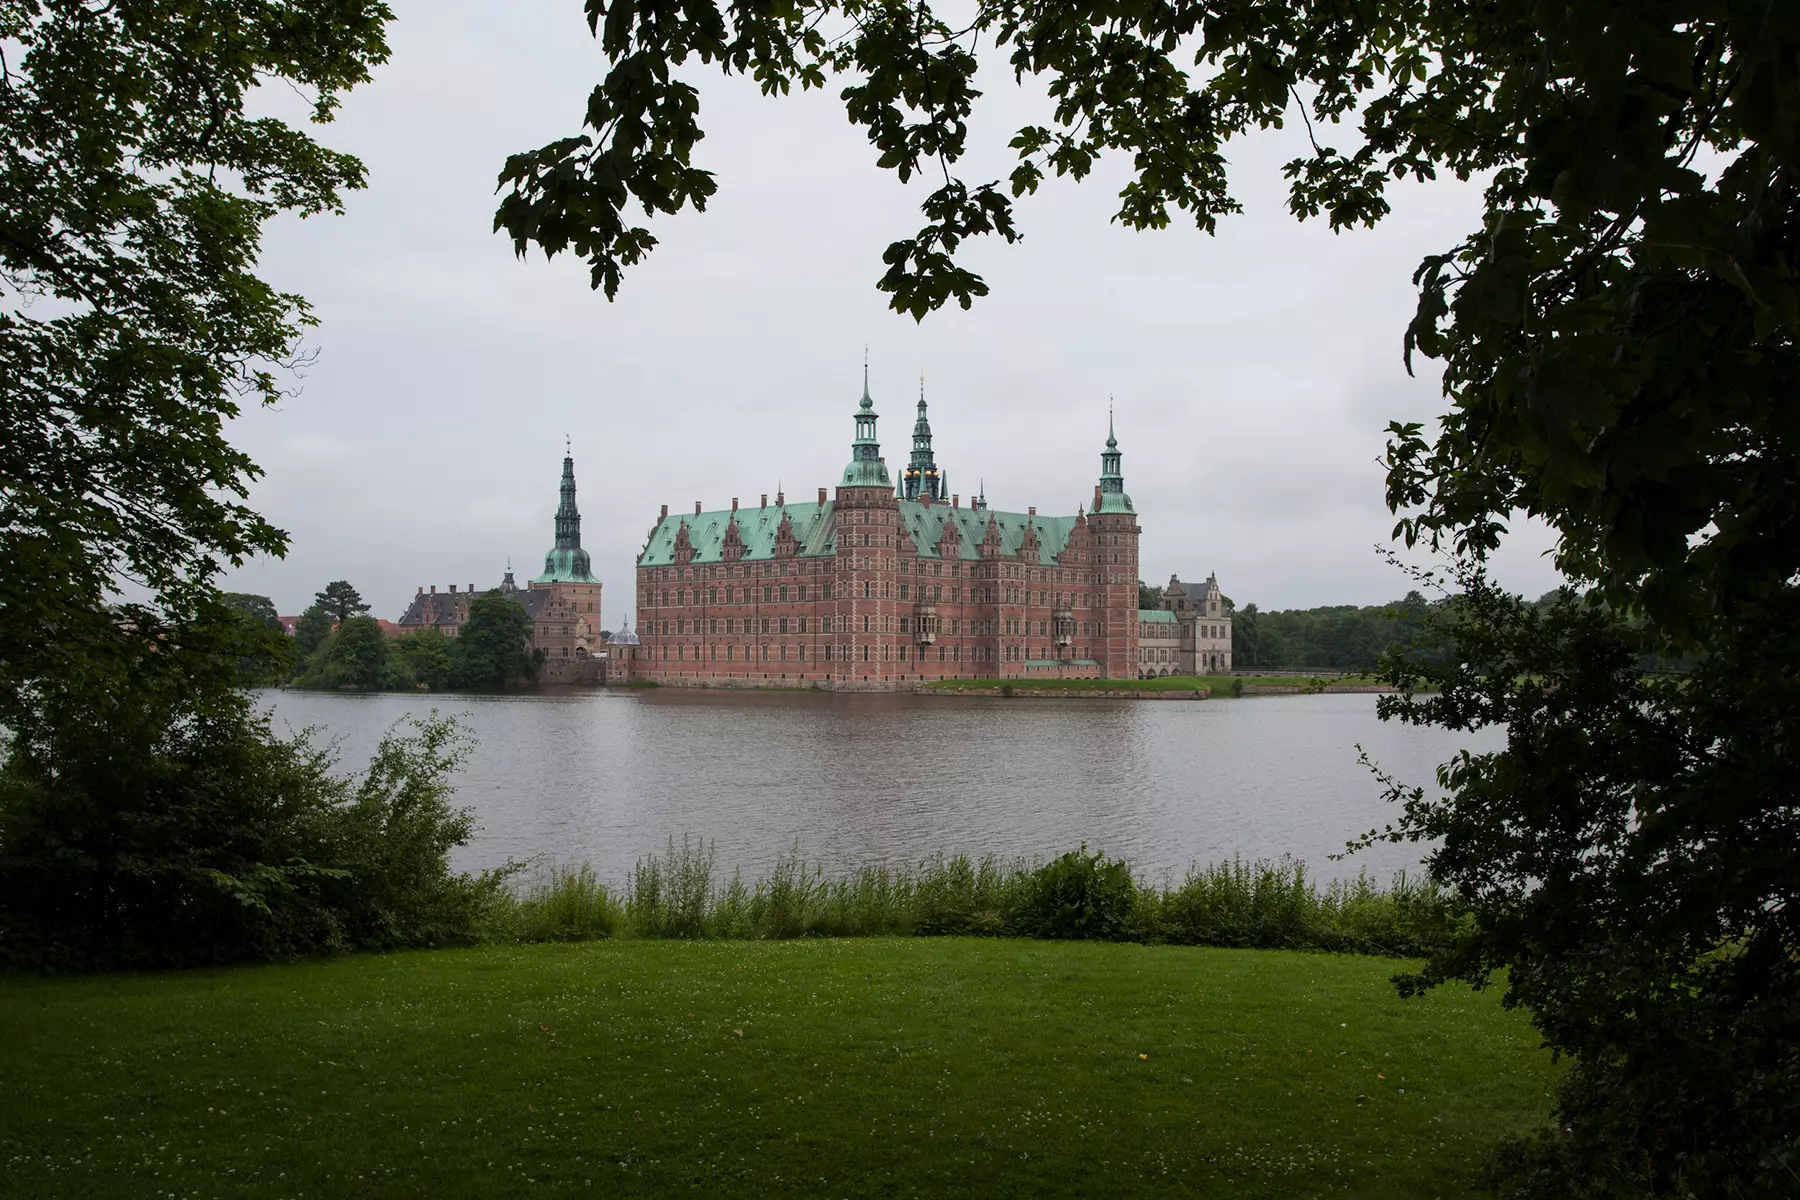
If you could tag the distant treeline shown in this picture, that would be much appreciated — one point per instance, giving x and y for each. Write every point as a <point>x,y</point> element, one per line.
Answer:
<point>1341,637</point>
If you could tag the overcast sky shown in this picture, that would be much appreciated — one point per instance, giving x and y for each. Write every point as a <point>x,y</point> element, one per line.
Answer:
<point>1253,372</point>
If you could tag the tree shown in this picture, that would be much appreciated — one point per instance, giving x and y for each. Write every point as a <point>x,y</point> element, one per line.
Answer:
<point>310,632</point>
<point>133,188</point>
<point>491,646</point>
<point>340,600</point>
<point>428,656</point>
<point>259,609</point>
<point>1149,597</point>
<point>1619,354</point>
<point>357,655</point>
<point>1246,638</point>
<point>272,653</point>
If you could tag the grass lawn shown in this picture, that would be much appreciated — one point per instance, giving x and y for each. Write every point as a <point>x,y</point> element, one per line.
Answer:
<point>851,1067</point>
<point>1220,685</point>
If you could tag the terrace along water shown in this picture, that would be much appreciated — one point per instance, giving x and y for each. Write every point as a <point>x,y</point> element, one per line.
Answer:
<point>606,777</point>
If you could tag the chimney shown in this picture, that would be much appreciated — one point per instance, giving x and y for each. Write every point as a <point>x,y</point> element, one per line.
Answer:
<point>821,495</point>
<point>1096,498</point>
<point>734,504</point>
<point>925,499</point>
<point>780,499</point>
<point>665,511</point>
<point>696,508</point>
<point>453,589</point>
<point>956,500</point>
<point>1031,511</point>
<point>434,589</point>
<point>471,589</point>
<point>421,590</point>
<point>765,500</point>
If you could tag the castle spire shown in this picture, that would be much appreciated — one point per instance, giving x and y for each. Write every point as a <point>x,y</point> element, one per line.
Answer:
<point>1110,496</point>
<point>866,468</point>
<point>922,478</point>
<point>567,562</point>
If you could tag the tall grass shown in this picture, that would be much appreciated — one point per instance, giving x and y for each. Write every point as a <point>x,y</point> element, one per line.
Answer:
<point>1271,905</point>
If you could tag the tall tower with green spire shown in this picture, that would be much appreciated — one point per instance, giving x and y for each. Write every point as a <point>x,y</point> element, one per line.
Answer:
<point>922,479</point>
<point>567,562</point>
<point>866,468</point>
<point>1110,496</point>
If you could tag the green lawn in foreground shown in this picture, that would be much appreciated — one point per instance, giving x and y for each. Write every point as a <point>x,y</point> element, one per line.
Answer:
<point>852,1067</point>
<point>1219,685</point>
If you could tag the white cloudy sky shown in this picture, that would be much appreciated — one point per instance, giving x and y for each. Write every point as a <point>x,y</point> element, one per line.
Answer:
<point>1253,371</point>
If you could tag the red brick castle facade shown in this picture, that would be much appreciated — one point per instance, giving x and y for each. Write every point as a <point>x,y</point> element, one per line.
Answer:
<point>884,587</point>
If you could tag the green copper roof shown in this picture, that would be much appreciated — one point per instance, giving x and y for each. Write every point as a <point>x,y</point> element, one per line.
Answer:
<point>1156,616</point>
<point>567,562</point>
<point>567,566</point>
<point>866,472</point>
<point>812,525</point>
<point>814,528</point>
<point>926,525</point>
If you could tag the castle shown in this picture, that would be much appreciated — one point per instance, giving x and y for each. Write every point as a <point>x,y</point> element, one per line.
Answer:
<point>885,586</point>
<point>563,602</point>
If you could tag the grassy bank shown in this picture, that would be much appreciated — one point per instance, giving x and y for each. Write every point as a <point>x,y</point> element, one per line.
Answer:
<point>1266,905</point>
<point>1218,685</point>
<point>952,1066</point>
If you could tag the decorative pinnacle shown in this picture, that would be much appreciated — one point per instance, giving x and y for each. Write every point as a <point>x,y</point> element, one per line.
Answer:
<point>1112,442</point>
<point>866,402</point>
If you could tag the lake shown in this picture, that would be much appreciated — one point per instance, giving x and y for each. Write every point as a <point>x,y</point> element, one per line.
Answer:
<point>606,777</point>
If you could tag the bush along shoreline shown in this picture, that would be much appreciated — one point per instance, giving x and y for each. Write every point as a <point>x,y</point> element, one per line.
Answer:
<point>1079,895</point>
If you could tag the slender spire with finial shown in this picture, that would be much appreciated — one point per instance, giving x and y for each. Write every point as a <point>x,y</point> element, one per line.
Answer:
<point>866,468</point>
<point>922,479</point>
<point>1112,497</point>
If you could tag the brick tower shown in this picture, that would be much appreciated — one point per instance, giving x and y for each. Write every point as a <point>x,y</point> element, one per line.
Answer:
<point>867,532</point>
<point>1115,527</point>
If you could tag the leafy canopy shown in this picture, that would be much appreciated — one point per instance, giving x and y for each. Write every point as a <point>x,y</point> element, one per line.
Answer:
<point>340,600</point>
<point>1617,337</point>
<point>1617,341</point>
<point>133,189</point>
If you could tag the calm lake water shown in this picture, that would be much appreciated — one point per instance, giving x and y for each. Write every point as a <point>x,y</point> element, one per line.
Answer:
<point>607,777</point>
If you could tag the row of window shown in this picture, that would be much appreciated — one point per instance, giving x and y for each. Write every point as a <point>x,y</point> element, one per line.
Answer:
<point>905,565</point>
<point>730,626</point>
<point>928,594</point>
<point>797,652</point>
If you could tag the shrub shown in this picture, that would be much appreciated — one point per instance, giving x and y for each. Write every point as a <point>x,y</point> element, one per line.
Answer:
<point>159,822</point>
<point>1079,895</point>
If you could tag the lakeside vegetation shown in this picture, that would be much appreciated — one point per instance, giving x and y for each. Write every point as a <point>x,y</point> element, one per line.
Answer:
<point>1078,895</point>
<point>966,1067</point>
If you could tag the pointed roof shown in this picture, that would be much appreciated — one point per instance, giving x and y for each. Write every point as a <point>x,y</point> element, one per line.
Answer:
<point>566,561</point>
